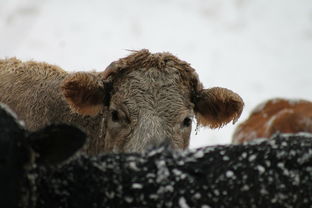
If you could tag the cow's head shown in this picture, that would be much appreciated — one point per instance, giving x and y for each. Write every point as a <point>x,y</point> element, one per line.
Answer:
<point>148,97</point>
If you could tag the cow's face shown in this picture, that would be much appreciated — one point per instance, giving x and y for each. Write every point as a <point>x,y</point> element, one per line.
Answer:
<point>147,107</point>
<point>149,99</point>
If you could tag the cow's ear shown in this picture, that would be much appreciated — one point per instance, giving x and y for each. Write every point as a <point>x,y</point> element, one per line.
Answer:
<point>217,106</point>
<point>85,93</point>
<point>56,143</point>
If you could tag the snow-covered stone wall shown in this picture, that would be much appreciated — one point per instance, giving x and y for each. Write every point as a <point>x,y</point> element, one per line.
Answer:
<point>269,173</point>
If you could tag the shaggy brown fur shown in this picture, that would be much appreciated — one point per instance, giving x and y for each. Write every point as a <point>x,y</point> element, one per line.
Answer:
<point>140,100</point>
<point>275,116</point>
<point>32,90</point>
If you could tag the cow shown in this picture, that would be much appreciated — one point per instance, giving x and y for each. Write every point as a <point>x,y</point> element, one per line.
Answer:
<point>273,172</point>
<point>136,102</point>
<point>19,149</point>
<point>273,116</point>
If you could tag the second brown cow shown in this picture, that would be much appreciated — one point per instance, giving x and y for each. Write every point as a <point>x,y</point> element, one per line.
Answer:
<point>141,100</point>
<point>275,116</point>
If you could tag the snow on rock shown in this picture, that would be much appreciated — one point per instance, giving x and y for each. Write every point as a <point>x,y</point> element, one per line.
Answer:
<point>253,175</point>
<point>229,174</point>
<point>182,203</point>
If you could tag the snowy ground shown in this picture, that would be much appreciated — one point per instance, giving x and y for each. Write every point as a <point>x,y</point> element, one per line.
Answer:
<point>258,48</point>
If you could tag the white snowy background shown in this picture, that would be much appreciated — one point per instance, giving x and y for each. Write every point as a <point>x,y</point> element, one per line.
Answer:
<point>260,49</point>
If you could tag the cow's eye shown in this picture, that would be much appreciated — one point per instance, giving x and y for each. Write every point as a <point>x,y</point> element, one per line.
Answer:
<point>187,122</point>
<point>115,116</point>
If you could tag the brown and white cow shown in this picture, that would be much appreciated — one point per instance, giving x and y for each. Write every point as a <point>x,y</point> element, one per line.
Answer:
<point>275,116</point>
<point>138,101</point>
